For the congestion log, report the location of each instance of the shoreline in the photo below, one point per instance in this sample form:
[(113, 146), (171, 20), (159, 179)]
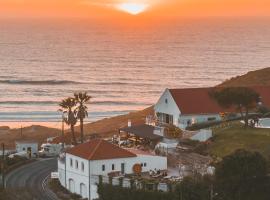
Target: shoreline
[(20, 124)]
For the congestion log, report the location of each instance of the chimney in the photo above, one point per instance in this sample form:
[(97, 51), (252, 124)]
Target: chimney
[(129, 123)]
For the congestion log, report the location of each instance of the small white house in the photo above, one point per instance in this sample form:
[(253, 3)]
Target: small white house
[(79, 167), (184, 107), (29, 147)]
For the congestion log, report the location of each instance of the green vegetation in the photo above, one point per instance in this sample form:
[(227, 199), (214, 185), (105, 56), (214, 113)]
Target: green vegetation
[(62, 192), (74, 109), (81, 110), (12, 163), (242, 98), (15, 194), (229, 138), (239, 176), (109, 192), (67, 107), (242, 176), (191, 188)]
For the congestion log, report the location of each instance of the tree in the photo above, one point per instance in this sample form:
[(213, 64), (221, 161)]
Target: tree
[(194, 188), (81, 109), (67, 107), (242, 98), (242, 176)]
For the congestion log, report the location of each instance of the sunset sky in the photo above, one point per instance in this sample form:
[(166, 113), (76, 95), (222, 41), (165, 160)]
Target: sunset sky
[(123, 8)]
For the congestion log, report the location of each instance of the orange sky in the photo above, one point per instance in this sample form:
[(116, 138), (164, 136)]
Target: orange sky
[(156, 9)]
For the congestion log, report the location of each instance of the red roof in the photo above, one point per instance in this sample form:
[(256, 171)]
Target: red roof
[(99, 149), (198, 100), (195, 101)]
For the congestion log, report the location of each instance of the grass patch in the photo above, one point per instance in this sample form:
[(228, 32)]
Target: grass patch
[(226, 141), (62, 192)]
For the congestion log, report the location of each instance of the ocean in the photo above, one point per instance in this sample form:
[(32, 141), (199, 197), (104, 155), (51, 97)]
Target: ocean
[(124, 68)]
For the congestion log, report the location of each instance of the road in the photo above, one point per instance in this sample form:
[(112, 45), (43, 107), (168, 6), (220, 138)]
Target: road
[(30, 180)]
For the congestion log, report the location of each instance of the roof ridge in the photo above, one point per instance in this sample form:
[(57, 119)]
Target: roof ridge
[(95, 149), (191, 88)]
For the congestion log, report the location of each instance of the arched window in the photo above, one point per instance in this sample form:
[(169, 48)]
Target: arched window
[(77, 164), (82, 166), (71, 162), (83, 192), (71, 185)]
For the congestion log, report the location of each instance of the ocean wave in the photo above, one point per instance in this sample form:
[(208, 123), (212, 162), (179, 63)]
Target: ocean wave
[(54, 103), (120, 103), (49, 116), (39, 82), (29, 102), (124, 83)]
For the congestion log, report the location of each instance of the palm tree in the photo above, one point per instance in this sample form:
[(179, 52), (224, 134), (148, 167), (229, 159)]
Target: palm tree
[(81, 99), (70, 119)]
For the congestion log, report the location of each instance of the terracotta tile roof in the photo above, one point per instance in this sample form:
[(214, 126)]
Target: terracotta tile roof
[(99, 149), (198, 101), (195, 101)]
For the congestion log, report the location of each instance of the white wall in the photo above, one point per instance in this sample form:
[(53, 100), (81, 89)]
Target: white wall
[(203, 135), (168, 108), (82, 177), (22, 147), (78, 175), (196, 119), (180, 120)]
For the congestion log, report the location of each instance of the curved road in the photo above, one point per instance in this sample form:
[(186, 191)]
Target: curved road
[(31, 180)]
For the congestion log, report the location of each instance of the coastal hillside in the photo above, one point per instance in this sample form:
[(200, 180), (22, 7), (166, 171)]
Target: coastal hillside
[(258, 77), (36, 132), (110, 126)]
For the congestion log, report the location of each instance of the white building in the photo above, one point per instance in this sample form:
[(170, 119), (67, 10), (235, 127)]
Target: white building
[(79, 167), (184, 107), (29, 147)]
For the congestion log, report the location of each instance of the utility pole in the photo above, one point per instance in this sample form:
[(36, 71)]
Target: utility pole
[(63, 126), (63, 131), (21, 131), (211, 192), (3, 165)]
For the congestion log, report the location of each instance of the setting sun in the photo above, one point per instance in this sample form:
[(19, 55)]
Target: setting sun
[(132, 8)]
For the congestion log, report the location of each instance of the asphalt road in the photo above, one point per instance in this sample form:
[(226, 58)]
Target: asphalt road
[(29, 182)]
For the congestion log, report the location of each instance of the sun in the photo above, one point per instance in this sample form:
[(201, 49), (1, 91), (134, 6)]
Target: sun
[(132, 8)]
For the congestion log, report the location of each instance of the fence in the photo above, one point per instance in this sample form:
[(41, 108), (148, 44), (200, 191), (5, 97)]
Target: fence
[(133, 183)]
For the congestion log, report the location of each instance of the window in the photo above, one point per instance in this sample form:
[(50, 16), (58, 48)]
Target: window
[(141, 164), (23, 149), (103, 168), (144, 164), (211, 118), (113, 167), (77, 164), (82, 166), (166, 101), (71, 162)]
